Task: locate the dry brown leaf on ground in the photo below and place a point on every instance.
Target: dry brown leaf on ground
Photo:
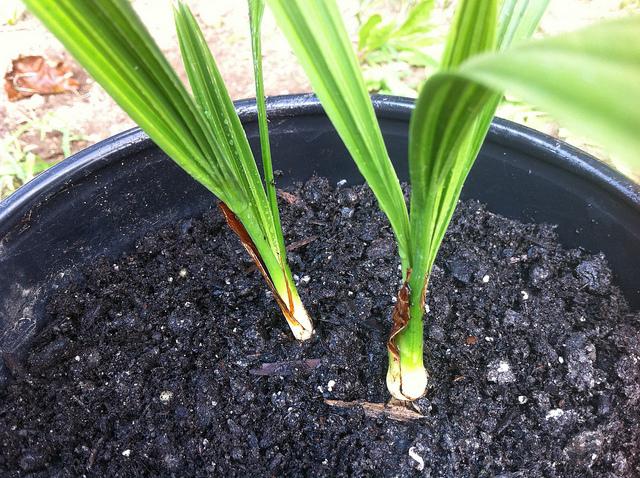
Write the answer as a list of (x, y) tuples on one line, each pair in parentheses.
[(30, 75), (290, 198)]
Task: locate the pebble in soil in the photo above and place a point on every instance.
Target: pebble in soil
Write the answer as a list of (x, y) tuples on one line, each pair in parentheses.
[(148, 365)]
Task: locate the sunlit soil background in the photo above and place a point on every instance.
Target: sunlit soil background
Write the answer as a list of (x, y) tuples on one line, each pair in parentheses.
[(38, 131)]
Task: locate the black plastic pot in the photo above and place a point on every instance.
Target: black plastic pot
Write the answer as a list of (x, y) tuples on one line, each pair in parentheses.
[(103, 198)]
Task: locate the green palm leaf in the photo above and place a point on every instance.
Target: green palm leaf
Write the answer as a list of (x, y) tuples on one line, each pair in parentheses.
[(589, 79), (256, 10), (519, 20), (203, 134), (447, 127), (325, 52), (227, 135)]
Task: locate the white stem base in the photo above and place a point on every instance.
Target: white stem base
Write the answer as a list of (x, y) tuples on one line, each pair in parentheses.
[(406, 384), (301, 325)]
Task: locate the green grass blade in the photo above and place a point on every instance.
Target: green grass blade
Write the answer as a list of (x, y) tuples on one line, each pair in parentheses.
[(518, 20), (256, 10), (590, 80), (318, 37), (444, 130)]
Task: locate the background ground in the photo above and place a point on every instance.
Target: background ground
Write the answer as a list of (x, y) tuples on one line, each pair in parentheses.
[(37, 132)]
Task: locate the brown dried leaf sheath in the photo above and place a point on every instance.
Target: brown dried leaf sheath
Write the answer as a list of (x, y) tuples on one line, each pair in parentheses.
[(32, 75), (398, 412), (400, 317), (237, 227)]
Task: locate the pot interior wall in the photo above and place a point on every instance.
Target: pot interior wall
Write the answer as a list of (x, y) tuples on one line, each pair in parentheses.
[(102, 199)]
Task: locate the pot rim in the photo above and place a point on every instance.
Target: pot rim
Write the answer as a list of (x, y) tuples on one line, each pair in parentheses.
[(504, 132)]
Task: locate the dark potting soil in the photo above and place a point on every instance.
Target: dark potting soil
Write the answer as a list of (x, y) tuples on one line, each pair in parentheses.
[(153, 364)]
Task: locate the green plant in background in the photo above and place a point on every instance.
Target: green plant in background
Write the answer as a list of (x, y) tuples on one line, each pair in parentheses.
[(390, 51), (585, 78), (19, 162), (10, 12), (201, 133), (404, 39), (391, 71)]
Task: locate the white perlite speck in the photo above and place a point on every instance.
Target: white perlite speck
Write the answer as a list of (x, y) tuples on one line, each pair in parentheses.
[(126, 453), (522, 399), (486, 278), (183, 273), (555, 413), (417, 458), (166, 396), (499, 371), (330, 385)]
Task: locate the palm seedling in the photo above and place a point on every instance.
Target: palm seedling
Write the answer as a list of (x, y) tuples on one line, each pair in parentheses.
[(589, 79), (201, 132)]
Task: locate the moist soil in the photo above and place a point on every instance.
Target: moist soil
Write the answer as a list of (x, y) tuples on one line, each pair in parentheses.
[(153, 364)]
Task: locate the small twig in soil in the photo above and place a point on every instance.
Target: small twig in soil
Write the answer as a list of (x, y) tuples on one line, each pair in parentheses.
[(301, 243), (285, 368), (291, 247), (393, 410), (514, 260), (315, 222)]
